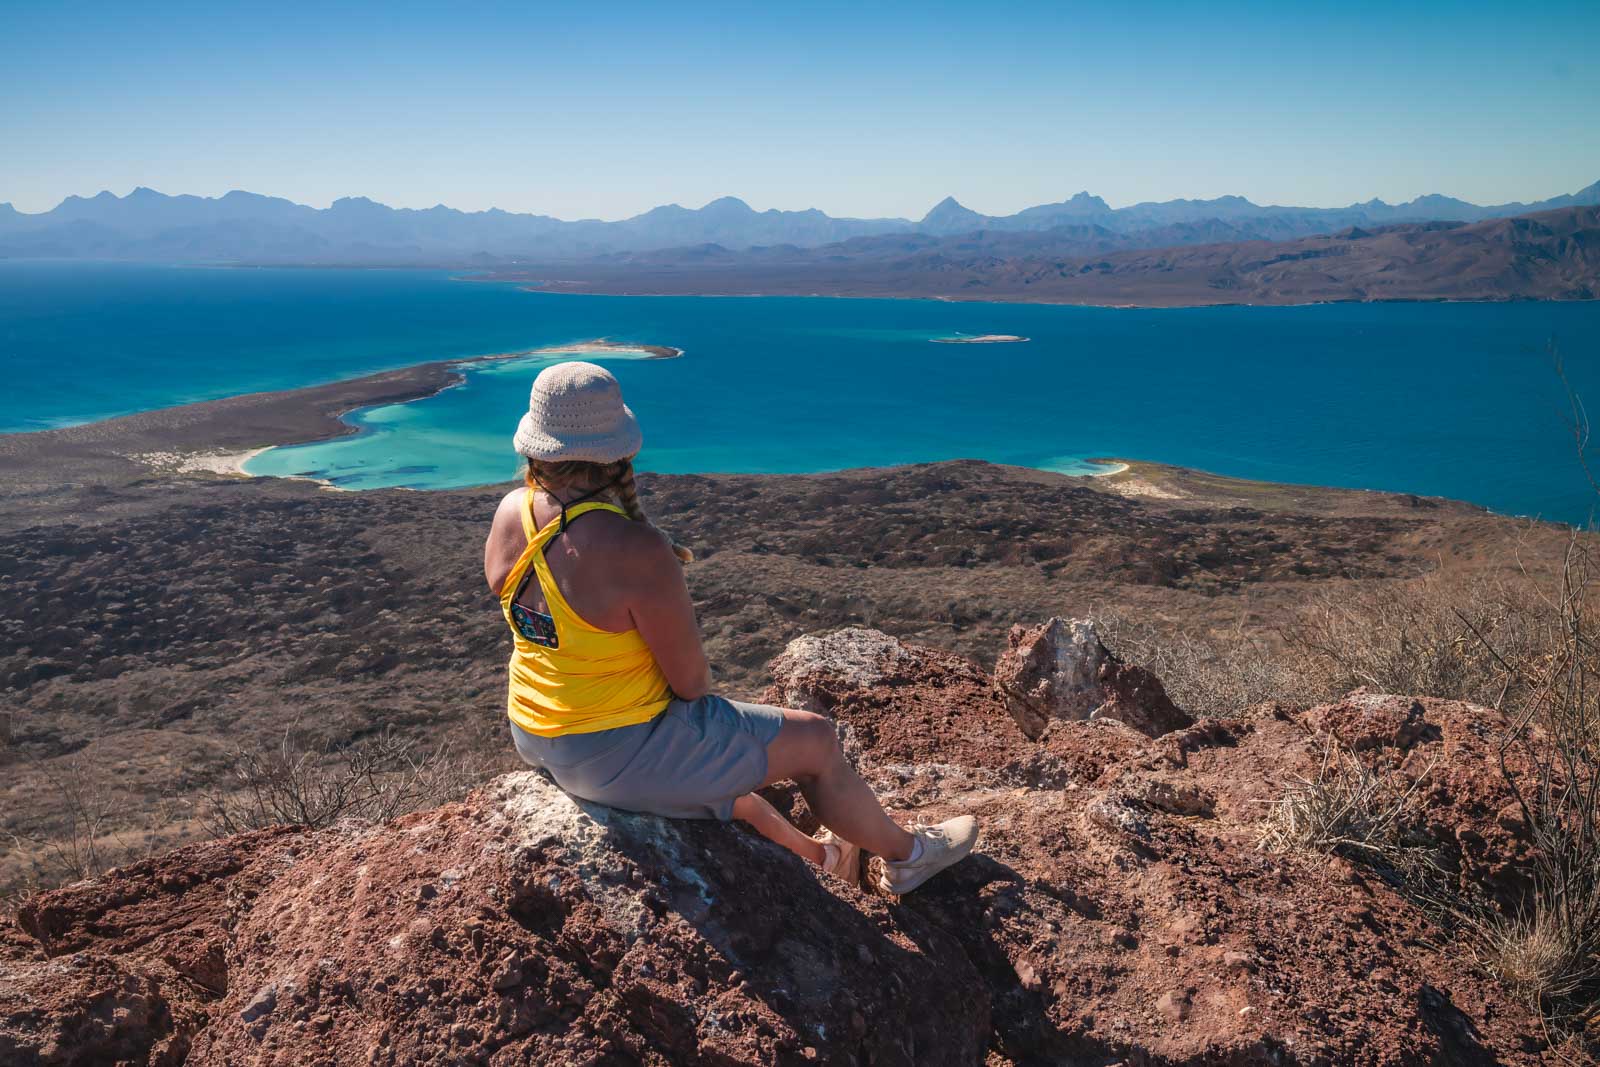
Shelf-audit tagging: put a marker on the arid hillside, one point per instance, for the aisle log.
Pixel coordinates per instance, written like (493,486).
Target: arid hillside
(159,626)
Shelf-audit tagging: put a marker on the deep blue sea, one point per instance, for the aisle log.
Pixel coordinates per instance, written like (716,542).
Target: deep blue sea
(1455,400)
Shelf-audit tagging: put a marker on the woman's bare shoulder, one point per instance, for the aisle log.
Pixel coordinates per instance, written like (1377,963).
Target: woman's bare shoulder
(511,506)
(507,525)
(505,541)
(644,548)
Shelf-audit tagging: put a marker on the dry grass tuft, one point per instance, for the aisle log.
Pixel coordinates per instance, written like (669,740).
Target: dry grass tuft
(1535,955)
(1352,810)
(1550,950)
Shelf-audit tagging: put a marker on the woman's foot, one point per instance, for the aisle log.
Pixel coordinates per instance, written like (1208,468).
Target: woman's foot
(936,848)
(843,859)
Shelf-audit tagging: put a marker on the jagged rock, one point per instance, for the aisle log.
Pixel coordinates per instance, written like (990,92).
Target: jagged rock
(91,1010)
(1098,922)
(1060,669)
(1452,750)
(508,972)
(127,969)
(914,707)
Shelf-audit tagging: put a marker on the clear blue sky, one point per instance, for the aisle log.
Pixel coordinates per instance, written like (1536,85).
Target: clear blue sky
(603,109)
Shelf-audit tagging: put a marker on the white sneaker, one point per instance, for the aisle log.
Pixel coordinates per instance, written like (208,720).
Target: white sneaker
(942,846)
(844,859)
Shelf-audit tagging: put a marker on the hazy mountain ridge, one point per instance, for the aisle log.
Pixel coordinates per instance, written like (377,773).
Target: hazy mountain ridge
(249,227)
(1552,255)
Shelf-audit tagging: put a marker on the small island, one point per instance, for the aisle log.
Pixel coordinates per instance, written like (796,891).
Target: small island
(601,346)
(980,339)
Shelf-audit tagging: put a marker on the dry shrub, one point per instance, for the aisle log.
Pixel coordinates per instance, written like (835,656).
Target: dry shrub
(1353,810)
(89,837)
(1464,638)
(1504,642)
(1551,951)
(1535,654)
(86,802)
(97,825)
(1435,636)
(1209,674)
(300,784)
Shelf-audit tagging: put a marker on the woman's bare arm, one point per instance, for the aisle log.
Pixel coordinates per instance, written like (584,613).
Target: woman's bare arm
(663,613)
(505,541)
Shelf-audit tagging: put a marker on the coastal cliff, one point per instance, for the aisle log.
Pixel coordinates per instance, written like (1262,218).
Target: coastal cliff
(1120,908)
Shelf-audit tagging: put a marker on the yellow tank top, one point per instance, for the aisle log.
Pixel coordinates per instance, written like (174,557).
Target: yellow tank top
(568,677)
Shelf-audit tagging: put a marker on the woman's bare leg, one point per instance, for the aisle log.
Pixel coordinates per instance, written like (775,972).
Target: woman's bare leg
(766,821)
(807,751)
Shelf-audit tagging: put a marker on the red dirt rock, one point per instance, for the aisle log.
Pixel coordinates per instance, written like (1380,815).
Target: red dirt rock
(1117,911)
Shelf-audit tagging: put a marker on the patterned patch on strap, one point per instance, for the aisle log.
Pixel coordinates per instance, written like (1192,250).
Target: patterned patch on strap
(535,626)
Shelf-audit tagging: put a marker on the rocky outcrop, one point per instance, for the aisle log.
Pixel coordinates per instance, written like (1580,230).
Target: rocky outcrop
(814,673)
(1117,911)
(519,927)
(1060,669)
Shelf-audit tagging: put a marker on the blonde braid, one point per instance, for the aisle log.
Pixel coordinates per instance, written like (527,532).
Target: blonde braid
(628,493)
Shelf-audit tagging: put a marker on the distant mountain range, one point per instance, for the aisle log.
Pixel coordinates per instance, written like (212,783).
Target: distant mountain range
(1549,255)
(243,227)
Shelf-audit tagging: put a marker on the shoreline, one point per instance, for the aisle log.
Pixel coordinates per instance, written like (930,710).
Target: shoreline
(230,464)
(209,439)
(180,450)
(220,436)
(599,346)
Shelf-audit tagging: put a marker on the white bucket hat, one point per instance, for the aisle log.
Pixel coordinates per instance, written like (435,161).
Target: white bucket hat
(576,413)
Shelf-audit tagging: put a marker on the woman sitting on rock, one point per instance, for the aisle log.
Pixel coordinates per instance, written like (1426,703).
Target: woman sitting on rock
(610,689)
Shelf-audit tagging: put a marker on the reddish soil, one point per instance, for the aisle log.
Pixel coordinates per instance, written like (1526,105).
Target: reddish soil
(1118,911)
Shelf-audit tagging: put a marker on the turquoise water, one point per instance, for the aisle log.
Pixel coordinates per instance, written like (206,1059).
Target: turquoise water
(1454,400)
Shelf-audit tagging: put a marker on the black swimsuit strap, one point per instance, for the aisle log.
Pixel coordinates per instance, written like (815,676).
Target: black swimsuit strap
(565,504)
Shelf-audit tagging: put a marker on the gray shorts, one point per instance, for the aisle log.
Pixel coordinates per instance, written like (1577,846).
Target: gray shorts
(690,762)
